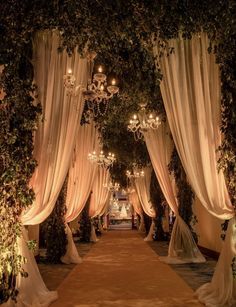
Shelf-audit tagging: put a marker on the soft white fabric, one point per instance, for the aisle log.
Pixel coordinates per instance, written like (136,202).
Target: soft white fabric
(191,95)
(82,171)
(221,291)
(182,247)
(142,186)
(80,181)
(100,225)
(160,146)
(123,212)
(93,236)
(71,255)
(149,237)
(55,137)
(100,194)
(32,290)
(99,198)
(54,142)
(134,200)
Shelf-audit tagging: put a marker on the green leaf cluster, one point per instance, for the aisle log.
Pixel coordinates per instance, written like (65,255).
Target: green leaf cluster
(54,229)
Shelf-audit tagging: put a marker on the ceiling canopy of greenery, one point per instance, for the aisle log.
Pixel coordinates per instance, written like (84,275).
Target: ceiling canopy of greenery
(121,32)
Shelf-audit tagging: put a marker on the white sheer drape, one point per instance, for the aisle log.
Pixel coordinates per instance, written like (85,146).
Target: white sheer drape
(82,171)
(80,181)
(32,290)
(191,94)
(54,142)
(134,200)
(182,247)
(142,186)
(55,137)
(99,197)
(100,193)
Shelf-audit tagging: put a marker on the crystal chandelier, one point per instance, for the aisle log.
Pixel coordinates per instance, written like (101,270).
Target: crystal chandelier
(135,174)
(98,93)
(141,123)
(112,187)
(101,159)
(69,82)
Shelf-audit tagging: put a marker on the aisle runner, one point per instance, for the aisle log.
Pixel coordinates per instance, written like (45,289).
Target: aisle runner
(121,270)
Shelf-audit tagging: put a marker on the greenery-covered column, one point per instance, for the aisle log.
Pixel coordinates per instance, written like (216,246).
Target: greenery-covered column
(18,117)
(157,199)
(55,230)
(85,223)
(185,194)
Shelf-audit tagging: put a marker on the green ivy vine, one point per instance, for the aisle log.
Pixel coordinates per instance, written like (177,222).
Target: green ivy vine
(157,198)
(85,223)
(185,194)
(54,229)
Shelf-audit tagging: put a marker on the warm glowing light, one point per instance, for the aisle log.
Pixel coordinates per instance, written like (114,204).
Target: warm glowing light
(69,71)
(102,87)
(100,69)
(150,116)
(135,116)
(113,82)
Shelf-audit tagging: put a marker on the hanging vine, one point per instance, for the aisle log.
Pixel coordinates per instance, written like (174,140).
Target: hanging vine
(85,223)
(185,194)
(54,229)
(18,117)
(157,199)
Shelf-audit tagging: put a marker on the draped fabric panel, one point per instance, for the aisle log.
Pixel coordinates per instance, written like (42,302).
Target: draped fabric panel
(182,247)
(54,142)
(100,197)
(81,177)
(160,146)
(82,171)
(100,194)
(133,198)
(191,94)
(32,290)
(142,186)
(55,137)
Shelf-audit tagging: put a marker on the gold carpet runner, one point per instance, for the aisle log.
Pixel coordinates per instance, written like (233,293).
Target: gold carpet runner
(121,270)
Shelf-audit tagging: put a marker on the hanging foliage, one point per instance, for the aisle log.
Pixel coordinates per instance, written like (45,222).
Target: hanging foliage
(18,116)
(54,229)
(157,199)
(85,223)
(185,194)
